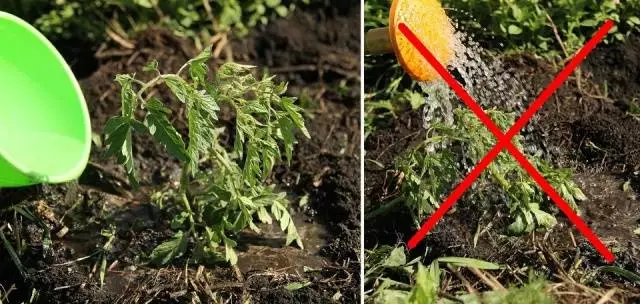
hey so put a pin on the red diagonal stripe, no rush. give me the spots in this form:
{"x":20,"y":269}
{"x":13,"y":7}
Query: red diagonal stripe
{"x":504,"y":140}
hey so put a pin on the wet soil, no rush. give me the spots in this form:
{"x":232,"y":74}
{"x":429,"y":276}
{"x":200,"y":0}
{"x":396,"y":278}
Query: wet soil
{"x":316,"y":50}
{"x":581,"y":127}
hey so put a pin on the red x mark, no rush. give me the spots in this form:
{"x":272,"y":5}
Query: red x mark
{"x":504,"y":140}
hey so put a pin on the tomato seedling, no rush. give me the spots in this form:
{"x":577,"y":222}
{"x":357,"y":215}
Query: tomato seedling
{"x":233,"y":192}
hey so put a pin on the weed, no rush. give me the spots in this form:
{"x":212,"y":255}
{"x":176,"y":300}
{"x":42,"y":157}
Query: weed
{"x":538,"y":25}
{"x":449,"y":151}
{"x":390,"y":278}
{"x":233,"y":182}
{"x":197,"y":19}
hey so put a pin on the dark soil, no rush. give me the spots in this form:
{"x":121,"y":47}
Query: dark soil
{"x":316,"y":50}
{"x":580,"y":128}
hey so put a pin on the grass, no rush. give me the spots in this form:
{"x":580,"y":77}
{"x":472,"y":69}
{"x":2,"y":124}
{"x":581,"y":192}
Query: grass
{"x":390,"y":278}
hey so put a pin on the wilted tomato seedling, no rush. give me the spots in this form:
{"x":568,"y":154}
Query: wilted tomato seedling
{"x":233,"y":184}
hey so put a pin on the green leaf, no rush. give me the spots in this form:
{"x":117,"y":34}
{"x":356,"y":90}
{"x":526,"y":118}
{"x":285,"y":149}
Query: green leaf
{"x":284,"y":221}
{"x":426,"y":286}
{"x":518,"y":226}
{"x":119,"y":143}
{"x":263,"y":216}
{"x":282,"y":10}
{"x":296,"y":285}
{"x":287,"y":131}
{"x":578,"y":194}
{"x":178,"y":86}
{"x":517,"y":12}
{"x":635,"y":20}
{"x":163,"y":131}
{"x":116,"y":131}
{"x":295,"y":115}
{"x":152,"y":66}
{"x":468,"y":262}
{"x":396,"y":258}
{"x":292,"y":235}
{"x":169,"y":250}
{"x":626,"y":187}
{"x":589,"y":23}
{"x":128,"y":97}
{"x":629,"y":275}
{"x":230,"y":254}
{"x":544,"y":219}
{"x":514,"y":30}
{"x":232,"y":70}
{"x":201,"y":116}
{"x":198,"y":67}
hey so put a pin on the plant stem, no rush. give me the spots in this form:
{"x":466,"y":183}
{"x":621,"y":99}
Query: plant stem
{"x":184,"y":185}
{"x":499,"y":178}
{"x":148,"y":85}
{"x":384,"y":208}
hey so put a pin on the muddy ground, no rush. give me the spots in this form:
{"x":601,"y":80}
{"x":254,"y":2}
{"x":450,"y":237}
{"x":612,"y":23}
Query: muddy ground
{"x":316,"y":50}
{"x":581,"y":127}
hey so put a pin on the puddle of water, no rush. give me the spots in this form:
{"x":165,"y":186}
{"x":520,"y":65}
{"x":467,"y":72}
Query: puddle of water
{"x":256,"y":252}
{"x":266,"y":251}
{"x":611,"y":212}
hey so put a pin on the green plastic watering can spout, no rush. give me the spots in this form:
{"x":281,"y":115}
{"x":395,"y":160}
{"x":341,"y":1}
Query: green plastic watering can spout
{"x":45,"y":132}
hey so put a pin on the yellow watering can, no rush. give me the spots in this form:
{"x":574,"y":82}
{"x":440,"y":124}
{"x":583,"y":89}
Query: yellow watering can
{"x":427,"y":19}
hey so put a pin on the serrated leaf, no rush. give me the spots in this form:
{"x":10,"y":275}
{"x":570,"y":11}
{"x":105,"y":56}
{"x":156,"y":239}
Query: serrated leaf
{"x":518,"y":226}
{"x":468,"y":262}
{"x":169,"y":250}
{"x":284,"y":221}
{"x":294,"y":114}
{"x":292,"y":235}
{"x":544,"y":219}
{"x":230,"y":253}
{"x":201,"y":116}
{"x":178,"y":86}
{"x":119,"y":143}
{"x":163,"y":131}
{"x":128,"y":97}
{"x":232,"y":69}
{"x":263,"y":216}
{"x":286,"y":130}
{"x":275,"y":210}
{"x":116,"y":130}
{"x":198,"y":67}
{"x":396,"y":258}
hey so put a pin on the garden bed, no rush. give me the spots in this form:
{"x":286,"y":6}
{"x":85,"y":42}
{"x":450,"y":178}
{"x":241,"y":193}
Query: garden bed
{"x":581,"y":127}
{"x":316,"y":50}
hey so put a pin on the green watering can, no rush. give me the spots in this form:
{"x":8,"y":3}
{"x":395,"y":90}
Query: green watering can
{"x":45,"y":132}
